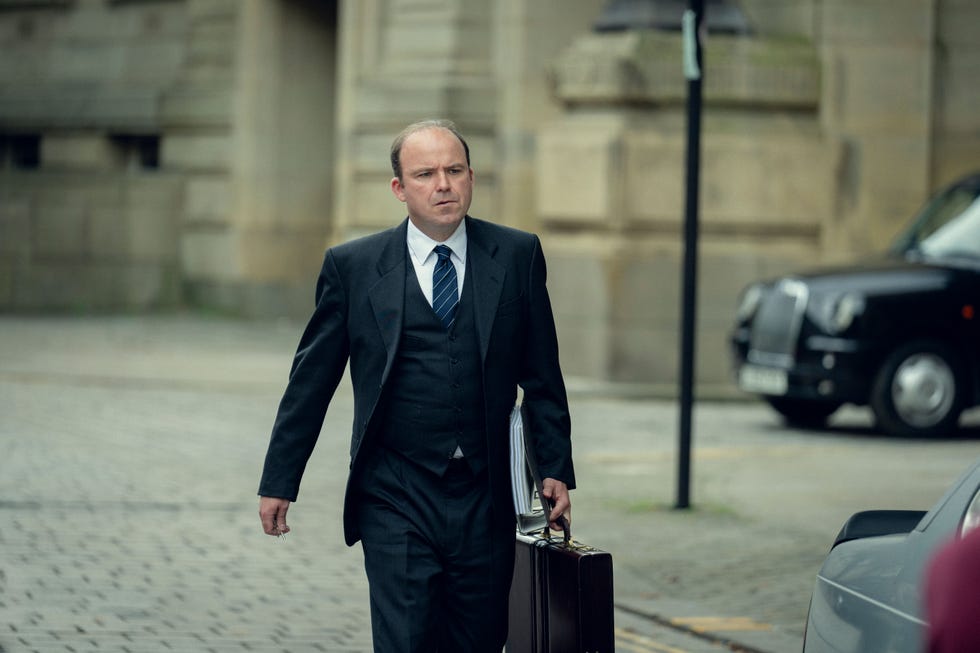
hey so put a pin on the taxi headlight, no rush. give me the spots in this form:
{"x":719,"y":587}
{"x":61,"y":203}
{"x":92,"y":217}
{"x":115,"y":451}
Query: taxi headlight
{"x":846,"y":310}
{"x":835,"y":313}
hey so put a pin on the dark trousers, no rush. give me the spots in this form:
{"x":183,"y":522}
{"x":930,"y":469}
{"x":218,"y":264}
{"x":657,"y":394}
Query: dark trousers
{"x":439,"y":564}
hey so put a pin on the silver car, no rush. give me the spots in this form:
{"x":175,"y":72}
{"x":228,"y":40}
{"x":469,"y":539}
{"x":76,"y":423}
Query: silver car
{"x":868,"y":593}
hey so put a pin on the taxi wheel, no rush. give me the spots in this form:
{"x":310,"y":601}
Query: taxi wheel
{"x":919,"y":390}
{"x":803,"y":412}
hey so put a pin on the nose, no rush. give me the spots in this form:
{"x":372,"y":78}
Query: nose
{"x":442,"y":179}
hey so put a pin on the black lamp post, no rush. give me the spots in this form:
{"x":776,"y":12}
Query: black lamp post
{"x":693,"y":68}
{"x":688,"y":17}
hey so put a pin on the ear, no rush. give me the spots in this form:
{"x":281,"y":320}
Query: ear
{"x":397,"y":189}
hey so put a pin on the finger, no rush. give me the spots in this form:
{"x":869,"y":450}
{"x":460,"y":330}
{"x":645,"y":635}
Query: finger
{"x":281,"y":527}
{"x":559,"y":504}
{"x":269,"y":525}
{"x":555,"y":513}
{"x":558,"y":524}
{"x":551,"y":489}
{"x":560,"y":508}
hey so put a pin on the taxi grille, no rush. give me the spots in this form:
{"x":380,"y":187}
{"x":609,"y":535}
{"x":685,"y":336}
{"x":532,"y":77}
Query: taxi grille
{"x":776,"y":327}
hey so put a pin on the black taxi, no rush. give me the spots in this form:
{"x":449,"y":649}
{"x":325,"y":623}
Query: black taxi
{"x":899,"y":333}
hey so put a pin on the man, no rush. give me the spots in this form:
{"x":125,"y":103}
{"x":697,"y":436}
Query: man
{"x":442,"y":318}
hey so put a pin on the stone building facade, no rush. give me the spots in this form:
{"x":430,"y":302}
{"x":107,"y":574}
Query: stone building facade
{"x":161,"y":153}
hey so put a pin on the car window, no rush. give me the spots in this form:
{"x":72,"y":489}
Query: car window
{"x":959,"y":234}
{"x":948,"y":225}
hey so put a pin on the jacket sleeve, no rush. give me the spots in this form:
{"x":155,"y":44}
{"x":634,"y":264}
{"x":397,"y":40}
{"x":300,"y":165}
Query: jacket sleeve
{"x":318,"y":366}
{"x":541,"y":379}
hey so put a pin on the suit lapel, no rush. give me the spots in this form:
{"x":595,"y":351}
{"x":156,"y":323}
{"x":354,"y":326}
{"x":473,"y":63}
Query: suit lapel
{"x":387,"y":295}
{"x":488,"y":281}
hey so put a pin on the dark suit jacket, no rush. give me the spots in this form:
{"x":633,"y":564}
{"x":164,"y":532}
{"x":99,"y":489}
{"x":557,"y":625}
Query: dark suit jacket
{"x":360,"y":297}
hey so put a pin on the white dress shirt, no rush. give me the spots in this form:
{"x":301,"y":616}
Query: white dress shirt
{"x":422,"y":252}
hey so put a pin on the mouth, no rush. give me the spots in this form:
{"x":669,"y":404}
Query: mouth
{"x":444,"y":202}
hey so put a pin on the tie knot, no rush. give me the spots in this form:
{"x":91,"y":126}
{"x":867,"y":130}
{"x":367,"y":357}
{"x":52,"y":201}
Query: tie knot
{"x":443,"y":252}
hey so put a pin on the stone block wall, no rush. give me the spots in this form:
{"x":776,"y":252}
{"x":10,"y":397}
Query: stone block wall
{"x":102,"y":242}
{"x":823,"y":131}
{"x":88,"y":221}
{"x":877,"y":99}
{"x":225,"y":107}
{"x":957,"y":69}
{"x":614,"y":245}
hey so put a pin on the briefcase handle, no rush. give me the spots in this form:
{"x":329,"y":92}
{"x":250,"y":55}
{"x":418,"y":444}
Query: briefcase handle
{"x":566,"y":528}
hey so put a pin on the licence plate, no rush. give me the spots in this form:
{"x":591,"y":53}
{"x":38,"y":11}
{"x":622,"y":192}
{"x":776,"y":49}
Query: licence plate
{"x":764,"y":380}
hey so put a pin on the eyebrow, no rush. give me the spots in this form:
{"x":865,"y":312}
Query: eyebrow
{"x":415,"y":171}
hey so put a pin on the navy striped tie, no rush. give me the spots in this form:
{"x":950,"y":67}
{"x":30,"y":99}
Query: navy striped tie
{"x":445,"y":295}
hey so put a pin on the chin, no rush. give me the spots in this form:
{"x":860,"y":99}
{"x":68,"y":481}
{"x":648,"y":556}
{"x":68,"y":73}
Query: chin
{"x":449,"y":219}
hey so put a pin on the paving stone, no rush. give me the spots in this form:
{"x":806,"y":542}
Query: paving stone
{"x":131,"y":453}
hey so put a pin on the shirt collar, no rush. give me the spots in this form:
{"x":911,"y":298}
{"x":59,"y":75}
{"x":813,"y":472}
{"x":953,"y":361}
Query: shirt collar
{"x":421,"y":246}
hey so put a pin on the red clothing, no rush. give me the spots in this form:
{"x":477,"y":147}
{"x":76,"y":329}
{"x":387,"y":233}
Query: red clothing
{"x":952,"y":596}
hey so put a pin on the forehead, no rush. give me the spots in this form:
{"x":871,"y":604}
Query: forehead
{"x":432,"y":146}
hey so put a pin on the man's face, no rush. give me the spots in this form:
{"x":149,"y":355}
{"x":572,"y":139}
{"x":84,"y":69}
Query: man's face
{"x":436,"y":183}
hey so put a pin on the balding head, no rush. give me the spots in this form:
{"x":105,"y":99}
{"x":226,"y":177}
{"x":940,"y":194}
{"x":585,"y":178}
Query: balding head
{"x":415,"y":127}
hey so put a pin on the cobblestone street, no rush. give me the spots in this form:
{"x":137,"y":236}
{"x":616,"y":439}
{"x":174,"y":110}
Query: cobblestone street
{"x":128,"y":496}
{"x":131,"y":452}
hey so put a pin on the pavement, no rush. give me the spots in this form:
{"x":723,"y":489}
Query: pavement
{"x":130,"y":452}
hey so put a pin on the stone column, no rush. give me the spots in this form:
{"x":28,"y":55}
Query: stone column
{"x":528,"y":37}
{"x":611,"y":188}
{"x":197,"y":143}
{"x":250,"y":124}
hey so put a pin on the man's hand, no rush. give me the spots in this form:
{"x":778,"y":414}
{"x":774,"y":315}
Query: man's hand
{"x":272,"y":511}
{"x":557,"y":492}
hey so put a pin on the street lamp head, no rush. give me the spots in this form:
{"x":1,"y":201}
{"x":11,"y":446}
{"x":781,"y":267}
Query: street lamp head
{"x":720,"y":16}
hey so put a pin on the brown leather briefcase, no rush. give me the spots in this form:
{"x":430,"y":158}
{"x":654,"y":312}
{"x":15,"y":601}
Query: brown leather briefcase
{"x":561,"y":597}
